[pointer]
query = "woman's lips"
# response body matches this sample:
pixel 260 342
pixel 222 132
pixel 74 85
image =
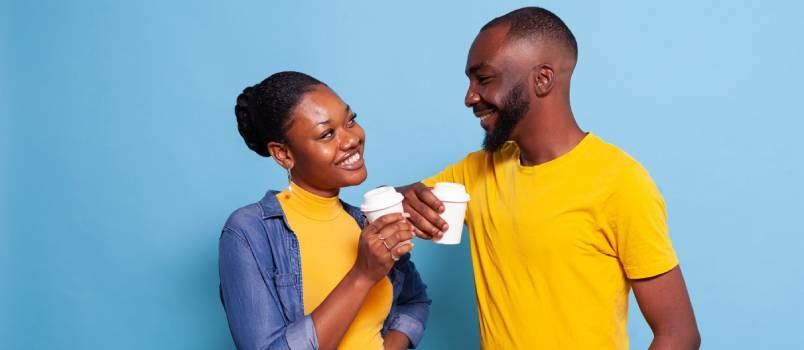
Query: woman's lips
pixel 352 162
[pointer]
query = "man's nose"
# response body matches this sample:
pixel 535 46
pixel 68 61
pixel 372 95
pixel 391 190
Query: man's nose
pixel 472 97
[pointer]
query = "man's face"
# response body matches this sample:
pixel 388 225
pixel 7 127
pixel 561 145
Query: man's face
pixel 498 89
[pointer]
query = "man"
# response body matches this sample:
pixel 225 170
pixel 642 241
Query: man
pixel 562 224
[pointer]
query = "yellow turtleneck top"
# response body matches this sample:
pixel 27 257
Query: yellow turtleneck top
pixel 328 238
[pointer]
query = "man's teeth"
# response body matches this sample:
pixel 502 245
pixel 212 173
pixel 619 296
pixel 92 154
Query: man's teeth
pixel 351 160
pixel 483 117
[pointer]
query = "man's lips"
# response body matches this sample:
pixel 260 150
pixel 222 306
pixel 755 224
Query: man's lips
pixel 486 117
pixel 351 161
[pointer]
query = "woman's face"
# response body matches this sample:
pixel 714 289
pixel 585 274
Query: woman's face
pixel 325 143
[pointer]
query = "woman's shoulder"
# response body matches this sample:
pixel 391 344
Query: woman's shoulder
pixel 249 218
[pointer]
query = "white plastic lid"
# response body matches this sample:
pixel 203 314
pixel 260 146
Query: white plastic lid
pixel 380 198
pixel 450 192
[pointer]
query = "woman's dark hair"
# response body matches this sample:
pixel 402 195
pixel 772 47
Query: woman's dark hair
pixel 263 110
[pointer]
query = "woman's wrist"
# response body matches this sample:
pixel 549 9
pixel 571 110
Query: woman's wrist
pixel 359 279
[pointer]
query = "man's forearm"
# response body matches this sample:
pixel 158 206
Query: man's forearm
pixel 691 341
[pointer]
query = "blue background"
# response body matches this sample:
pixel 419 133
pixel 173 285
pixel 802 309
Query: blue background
pixel 121 160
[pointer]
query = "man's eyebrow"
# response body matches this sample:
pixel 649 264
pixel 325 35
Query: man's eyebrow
pixel 475 67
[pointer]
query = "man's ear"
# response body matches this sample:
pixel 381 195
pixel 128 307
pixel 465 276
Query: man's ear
pixel 281 154
pixel 543 78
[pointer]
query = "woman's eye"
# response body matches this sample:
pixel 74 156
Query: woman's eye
pixel 352 120
pixel 328 134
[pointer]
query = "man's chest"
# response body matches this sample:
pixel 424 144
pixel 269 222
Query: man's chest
pixel 539 223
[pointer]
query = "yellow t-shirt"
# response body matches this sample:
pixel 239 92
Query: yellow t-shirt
pixel 554 245
pixel 328 238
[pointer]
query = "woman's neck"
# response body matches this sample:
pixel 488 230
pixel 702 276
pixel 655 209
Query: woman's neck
pixel 316 191
pixel 310 204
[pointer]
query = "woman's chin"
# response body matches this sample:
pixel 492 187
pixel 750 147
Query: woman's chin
pixel 355 178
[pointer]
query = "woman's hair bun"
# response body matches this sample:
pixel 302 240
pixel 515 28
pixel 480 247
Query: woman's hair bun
pixel 263 110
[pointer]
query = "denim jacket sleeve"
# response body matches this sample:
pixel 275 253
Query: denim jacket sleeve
pixel 252 306
pixel 412 307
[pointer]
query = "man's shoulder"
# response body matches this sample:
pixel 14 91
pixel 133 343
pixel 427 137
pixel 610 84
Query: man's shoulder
pixel 613 154
pixel 626 170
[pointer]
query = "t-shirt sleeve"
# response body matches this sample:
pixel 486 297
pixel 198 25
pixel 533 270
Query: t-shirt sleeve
pixel 639 223
pixel 456 173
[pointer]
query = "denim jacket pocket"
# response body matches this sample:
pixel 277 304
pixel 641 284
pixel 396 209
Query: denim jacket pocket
pixel 287 289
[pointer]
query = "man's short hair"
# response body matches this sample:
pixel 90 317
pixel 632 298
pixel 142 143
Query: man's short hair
pixel 536 23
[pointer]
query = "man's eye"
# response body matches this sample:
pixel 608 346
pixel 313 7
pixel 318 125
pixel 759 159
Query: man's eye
pixel 483 80
pixel 328 134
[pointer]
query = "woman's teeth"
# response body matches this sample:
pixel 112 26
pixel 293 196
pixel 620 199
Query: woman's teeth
pixel 351 160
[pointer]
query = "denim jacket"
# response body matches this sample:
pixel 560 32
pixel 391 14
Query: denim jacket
pixel 261 282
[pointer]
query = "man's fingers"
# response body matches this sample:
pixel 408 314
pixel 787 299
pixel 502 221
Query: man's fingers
pixel 434 222
pixel 423 228
pixel 426 195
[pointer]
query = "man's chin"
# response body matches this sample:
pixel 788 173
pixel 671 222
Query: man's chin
pixel 493 143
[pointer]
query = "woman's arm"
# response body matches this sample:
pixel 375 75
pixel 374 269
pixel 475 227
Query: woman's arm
pixel 253 311
pixel 254 314
pixel 409 316
pixel 395 340
pixel 335 314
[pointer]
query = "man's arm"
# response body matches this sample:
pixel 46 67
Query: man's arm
pixel 666 306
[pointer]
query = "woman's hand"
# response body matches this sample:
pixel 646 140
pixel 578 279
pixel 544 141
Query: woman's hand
pixel 382 243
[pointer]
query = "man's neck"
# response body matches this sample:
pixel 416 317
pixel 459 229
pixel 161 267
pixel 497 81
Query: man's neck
pixel 541 141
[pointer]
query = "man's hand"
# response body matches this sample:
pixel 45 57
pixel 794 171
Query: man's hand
pixel 424 209
pixel 666 306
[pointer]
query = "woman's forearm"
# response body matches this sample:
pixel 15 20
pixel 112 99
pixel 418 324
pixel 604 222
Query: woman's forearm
pixel 335 314
pixel 395 340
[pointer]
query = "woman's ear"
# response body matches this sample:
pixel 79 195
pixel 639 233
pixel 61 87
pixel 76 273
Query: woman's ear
pixel 281 154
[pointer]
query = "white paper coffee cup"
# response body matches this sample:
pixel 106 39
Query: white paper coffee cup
pixel 454 197
pixel 381 201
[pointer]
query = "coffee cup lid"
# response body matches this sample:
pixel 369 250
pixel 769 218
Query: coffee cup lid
pixel 380 198
pixel 450 192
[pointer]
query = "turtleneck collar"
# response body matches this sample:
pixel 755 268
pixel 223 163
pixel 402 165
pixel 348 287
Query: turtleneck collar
pixel 311 205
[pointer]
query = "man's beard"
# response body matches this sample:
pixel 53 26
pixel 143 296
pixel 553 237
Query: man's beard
pixel 514 107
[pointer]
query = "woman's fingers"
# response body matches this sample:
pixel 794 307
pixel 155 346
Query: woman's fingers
pixel 395 233
pixel 385 220
pixel 401 249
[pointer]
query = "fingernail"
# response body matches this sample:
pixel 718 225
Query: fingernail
pixel 406 215
pixel 441 208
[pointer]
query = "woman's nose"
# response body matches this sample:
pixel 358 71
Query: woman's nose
pixel 350 139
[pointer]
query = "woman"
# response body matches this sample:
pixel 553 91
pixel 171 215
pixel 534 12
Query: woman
pixel 300 269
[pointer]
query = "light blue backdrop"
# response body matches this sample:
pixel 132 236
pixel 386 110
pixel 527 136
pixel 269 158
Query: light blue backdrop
pixel 121 160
